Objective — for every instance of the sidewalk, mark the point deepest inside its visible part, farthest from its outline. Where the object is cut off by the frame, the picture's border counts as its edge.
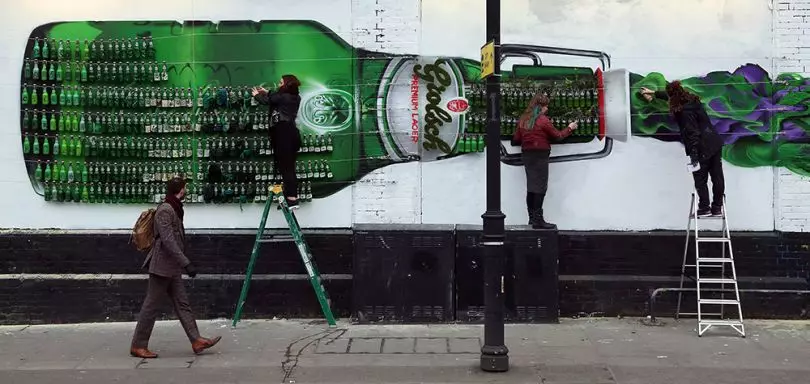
(593, 351)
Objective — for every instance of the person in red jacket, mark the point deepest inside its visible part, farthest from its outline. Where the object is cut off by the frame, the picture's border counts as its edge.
(534, 134)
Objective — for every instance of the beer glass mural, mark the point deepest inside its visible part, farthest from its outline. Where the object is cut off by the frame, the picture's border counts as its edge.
(110, 110)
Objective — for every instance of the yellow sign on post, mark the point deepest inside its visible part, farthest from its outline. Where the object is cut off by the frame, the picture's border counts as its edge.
(488, 59)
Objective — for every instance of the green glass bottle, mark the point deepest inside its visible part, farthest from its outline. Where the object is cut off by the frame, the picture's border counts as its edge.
(74, 122)
(35, 72)
(59, 72)
(38, 171)
(34, 96)
(43, 72)
(56, 146)
(35, 146)
(53, 98)
(77, 102)
(79, 151)
(52, 123)
(43, 122)
(77, 73)
(26, 145)
(45, 49)
(45, 97)
(70, 146)
(26, 124)
(51, 72)
(68, 72)
(61, 97)
(84, 73)
(47, 175)
(35, 52)
(85, 50)
(27, 69)
(25, 94)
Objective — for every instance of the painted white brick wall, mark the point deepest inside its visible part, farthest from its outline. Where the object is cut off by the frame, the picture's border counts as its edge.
(392, 194)
(791, 26)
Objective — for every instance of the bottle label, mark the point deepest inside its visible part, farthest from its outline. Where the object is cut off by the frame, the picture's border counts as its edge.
(432, 125)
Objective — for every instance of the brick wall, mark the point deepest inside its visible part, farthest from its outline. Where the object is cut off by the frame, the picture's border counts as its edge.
(791, 26)
(392, 194)
(96, 277)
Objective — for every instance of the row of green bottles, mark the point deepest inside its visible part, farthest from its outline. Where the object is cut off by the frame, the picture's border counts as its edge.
(588, 126)
(53, 121)
(471, 143)
(225, 96)
(42, 70)
(246, 192)
(47, 145)
(517, 98)
(139, 172)
(77, 96)
(313, 169)
(109, 193)
(139, 147)
(61, 171)
(113, 49)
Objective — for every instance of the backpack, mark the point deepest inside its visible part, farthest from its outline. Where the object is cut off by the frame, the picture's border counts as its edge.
(143, 232)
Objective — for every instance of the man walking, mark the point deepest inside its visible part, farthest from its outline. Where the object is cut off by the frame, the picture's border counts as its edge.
(166, 262)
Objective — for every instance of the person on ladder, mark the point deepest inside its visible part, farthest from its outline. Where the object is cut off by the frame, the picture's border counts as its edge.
(534, 134)
(285, 139)
(702, 143)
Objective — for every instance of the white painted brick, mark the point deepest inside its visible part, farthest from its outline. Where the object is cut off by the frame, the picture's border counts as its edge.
(791, 31)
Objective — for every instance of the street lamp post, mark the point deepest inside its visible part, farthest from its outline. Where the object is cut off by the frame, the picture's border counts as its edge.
(494, 354)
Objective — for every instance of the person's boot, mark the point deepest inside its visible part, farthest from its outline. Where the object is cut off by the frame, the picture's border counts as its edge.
(202, 344)
(531, 215)
(539, 221)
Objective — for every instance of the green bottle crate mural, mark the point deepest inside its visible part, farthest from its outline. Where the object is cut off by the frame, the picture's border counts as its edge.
(111, 110)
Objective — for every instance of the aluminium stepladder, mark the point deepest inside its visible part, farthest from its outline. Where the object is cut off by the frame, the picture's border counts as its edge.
(707, 279)
(303, 250)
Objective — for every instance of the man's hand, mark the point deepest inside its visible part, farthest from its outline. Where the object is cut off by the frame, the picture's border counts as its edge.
(573, 126)
(191, 271)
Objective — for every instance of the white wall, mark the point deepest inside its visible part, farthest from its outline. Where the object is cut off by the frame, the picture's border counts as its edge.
(641, 186)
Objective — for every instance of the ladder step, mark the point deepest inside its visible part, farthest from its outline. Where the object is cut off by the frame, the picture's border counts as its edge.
(717, 281)
(277, 239)
(714, 260)
(721, 322)
(719, 301)
(713, 240)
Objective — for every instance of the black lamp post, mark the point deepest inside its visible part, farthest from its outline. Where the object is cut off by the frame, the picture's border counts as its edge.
(494, 354)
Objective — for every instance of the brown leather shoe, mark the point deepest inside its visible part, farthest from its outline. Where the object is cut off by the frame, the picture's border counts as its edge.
(202, 343)
(143, 353)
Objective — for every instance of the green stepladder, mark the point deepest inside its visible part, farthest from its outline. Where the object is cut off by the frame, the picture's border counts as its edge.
(303, 250)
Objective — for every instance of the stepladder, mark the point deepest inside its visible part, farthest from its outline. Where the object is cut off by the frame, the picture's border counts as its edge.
(711, 268)
(295, 236)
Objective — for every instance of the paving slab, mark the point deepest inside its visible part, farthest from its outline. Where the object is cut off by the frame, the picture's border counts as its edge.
(465, 345)
(365, 345)
(399, 345)
(431, 345)
(333, 346)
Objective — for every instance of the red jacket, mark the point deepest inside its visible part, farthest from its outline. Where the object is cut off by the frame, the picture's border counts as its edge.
(539, 137)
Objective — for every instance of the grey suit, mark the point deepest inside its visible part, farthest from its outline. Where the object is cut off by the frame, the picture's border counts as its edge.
(165, 262)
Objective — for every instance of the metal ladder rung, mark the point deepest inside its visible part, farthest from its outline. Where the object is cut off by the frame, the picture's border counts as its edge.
(277, 239)
(721, 322)
(713, 240)
(716, 281)
(718, 301)
(714, 260)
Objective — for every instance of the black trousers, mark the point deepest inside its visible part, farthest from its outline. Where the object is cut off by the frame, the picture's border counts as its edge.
(285, 141)
(160, 289)
(711, 167)
(536, 164)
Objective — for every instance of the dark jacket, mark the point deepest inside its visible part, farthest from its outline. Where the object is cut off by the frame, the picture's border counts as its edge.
(167, 257)
(540, 136)
(283, 103)
(699, 138)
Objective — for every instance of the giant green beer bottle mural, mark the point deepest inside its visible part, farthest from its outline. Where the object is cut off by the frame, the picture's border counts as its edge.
(131, 104)
(110, 110)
